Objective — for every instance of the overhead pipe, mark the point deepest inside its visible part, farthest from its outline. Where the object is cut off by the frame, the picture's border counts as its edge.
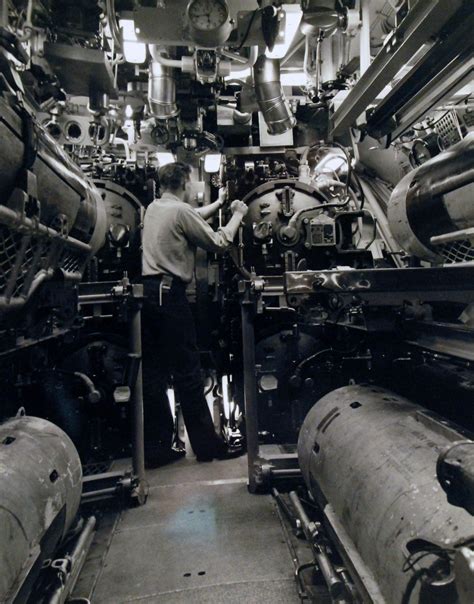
(240, 63)
(162, 86)
(270, 97)
(237, 62)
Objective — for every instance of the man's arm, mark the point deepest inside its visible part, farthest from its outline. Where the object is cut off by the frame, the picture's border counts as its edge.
(208, 211)
(200, 234)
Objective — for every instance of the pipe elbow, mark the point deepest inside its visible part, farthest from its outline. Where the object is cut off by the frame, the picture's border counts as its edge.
(270, 96)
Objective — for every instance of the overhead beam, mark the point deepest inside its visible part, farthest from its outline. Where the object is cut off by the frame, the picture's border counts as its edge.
(435, 76)
(421, 24)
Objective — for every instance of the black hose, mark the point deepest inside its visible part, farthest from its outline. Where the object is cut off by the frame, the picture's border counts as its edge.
(361, 191)
(417, 576)
(251, 21)
(374, 233)
(113, 25)
(348, 159)
(304, 362)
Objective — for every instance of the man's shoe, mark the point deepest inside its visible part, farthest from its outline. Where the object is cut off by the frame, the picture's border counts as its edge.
(231, 452)
(227, 452)
(160, 457)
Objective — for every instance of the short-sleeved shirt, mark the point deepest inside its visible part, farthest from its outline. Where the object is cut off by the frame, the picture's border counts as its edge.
(172, 231)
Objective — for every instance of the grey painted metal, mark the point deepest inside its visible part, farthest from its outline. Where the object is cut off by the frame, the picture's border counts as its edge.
(433, 200)
(271, 99)
(424, 20)
(369, 457)
(41, 483)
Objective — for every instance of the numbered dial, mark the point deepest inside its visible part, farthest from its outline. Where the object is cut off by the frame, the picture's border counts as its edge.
(207, 15)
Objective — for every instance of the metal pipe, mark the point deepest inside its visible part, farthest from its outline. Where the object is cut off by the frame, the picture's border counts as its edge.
(364, 37)
(156, 53)
(107, 493)
(93, 395)
(285, 472)
(284, 508)
(77, 559)
(234, 56)
(270, 97)
(335, 584)
(301, 513)
(460, 235)
(241, 63)
(14, 219)
(112, 23)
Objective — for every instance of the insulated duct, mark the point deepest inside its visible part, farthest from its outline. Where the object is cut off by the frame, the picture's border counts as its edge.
(162, 91)
(270, 97)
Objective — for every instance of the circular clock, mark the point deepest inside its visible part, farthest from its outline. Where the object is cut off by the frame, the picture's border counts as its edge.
(209, 22)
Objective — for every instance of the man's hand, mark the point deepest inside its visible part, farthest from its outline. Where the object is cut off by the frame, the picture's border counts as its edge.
(239, 207)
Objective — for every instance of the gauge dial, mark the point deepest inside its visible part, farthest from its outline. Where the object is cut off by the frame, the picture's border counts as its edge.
(207, 15)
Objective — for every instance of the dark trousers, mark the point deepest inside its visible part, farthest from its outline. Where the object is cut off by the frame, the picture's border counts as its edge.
(170, 349)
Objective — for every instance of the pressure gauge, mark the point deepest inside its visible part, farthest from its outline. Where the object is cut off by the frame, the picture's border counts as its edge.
(209, 22)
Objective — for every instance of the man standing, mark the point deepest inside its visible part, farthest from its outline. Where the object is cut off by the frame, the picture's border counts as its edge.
(172, 231)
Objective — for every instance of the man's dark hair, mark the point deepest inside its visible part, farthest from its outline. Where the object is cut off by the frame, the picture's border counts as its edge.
(174, 176)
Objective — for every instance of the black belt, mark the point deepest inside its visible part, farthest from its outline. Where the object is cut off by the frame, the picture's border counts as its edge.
(165, 282)
(161, 277)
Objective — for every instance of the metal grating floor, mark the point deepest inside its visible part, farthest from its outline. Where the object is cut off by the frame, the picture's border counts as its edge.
(201, 538)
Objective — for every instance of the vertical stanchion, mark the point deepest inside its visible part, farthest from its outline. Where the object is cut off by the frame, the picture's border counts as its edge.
(250, 390)
(138, 454)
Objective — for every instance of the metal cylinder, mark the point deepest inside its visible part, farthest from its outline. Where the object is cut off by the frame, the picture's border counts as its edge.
(41, 484)
(52, 218)
(369, 457)
(162, 91)
(68, 200)
(431, 212)
(270, 97)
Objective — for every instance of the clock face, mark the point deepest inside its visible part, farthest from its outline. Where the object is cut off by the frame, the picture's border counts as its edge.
(207, 15)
